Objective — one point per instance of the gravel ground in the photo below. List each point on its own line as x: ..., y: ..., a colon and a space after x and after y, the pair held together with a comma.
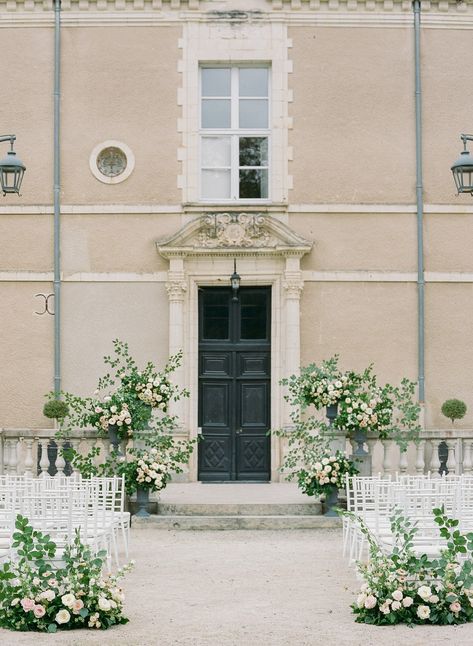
x: 258, y: 588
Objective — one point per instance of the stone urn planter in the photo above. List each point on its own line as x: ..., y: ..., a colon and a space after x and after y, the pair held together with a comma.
x: 331, y: 502
x: 114, y: 438
x: 142, y: 500
x: 331, y: 413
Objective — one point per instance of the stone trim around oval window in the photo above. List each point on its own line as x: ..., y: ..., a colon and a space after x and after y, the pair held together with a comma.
x: 119, y: 155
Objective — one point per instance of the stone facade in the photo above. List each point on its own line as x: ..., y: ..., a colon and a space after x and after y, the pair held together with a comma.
x: 336, y: 239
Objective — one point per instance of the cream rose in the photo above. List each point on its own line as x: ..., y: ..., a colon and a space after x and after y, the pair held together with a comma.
x: 423, y: 612
x: 397, y: 595
x: 370, y: 602
x: 62, y: 617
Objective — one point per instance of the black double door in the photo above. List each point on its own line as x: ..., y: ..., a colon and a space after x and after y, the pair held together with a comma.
x: 234, y: 383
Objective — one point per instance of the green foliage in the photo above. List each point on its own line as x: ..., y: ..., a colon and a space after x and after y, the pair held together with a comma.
x: 55, y: 409
x: 454, y: 409
x: 126, y: 397
x: 403, y: 587
x: 389, y: 411
x: 151, y: 468
x: 35, y: 595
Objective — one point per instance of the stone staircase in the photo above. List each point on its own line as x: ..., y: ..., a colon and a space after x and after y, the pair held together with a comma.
x: 198, y: 506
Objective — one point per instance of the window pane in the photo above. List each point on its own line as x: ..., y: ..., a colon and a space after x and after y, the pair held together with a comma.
x: 216, y: 151
x: 216, y: 82
x: 253, y: 81
x: 253, y: 113
x: 253, y: 315
x: 215, y: 315
x: 215, y: 113
x: 253, y: 151
x: 253, y: 183
x: 216, y: 184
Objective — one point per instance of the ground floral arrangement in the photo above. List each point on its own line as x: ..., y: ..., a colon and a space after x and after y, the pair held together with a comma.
x: 37, y: 596
x: 404, y: 588
x: 328, y: 472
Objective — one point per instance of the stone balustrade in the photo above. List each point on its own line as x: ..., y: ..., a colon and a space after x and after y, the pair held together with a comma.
x: 33, y: 452
x: 438, y: 451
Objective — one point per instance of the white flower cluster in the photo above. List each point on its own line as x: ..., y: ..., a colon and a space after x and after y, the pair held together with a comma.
x: 115, y: 417
x: 322, y: 391
x: 360, y: 413
x: 155, y: 392
x: 329, y: 471
x: 152, y: 469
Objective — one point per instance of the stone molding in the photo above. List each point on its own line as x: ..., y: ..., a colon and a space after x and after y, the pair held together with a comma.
x: 237, y: 234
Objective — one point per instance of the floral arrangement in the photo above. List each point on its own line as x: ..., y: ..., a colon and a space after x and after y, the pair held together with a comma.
x: 127, y: 398
x: 389, y: 411
x: 400, y: 587
x: 149, y: 468
x: 36, y: 595
x: 328, y: 472
x: 323, y: 385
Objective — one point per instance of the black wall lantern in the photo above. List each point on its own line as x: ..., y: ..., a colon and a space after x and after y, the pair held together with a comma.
x: 235, y: 281
x: 462, y: 169
x: 12, y: 169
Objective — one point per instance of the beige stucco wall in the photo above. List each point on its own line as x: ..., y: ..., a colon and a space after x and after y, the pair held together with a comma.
x: 26, y: 350
x: 115, y: 243
x: 118, y: 84
x: 449, y: 349
x: 362, y: 322
x: 447, y: 108
x: 26, y: 242
x: 353, y: 111
x: 350, y: 242
x: 96, y: 313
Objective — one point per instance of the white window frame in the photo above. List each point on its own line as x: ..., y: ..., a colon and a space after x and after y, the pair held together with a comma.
x: 235, y: 133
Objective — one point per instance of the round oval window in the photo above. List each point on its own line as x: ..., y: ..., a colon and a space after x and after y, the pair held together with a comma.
x: 111, y: 161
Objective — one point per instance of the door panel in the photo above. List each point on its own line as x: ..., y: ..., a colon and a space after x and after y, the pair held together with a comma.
x: 234, y: 384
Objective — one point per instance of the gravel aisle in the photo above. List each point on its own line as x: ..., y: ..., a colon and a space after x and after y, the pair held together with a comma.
x: 258, y: 588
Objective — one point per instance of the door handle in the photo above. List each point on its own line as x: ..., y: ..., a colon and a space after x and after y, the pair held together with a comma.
x: 238, y: 431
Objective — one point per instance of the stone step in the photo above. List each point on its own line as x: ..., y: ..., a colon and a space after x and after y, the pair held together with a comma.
x: 239, y: 509
x: 157, y: 521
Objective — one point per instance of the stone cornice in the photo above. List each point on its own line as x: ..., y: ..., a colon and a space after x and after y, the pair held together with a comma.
x: 436, y: 13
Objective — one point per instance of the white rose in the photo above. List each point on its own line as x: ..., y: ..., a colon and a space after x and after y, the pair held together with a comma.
x: 424, y: 592
x: 370, y: 602
x: 113, y: 409
x: 407, y: 602
x: 396, y: 605
x: 325, y: 461
x: 397, y: 595
x: 423, y: 612
x: 68, y: 600
x: 348, y: 400
x: 385, y: 608
x: 433, y: 599
x: 104, y: 604
x: 318, y: 466
x: 62, y: 617
x: 49, y: 595
x: 327, y: 468
x: 360, y: 601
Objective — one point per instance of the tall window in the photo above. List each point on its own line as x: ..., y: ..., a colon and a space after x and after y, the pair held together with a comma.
x: 234, y: 133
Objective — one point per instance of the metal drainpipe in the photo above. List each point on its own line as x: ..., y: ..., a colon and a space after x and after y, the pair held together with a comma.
x: 420, y: 206
x: 57, y: 196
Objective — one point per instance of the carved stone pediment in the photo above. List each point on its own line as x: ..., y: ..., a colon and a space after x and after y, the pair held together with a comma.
x: 230, y: 233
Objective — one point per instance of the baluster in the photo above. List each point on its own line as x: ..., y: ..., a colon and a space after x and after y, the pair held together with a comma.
x: 403, y: 464
x: 451, y: 461
x: 387, y: 467
x: 467, y: 463
x: 2, y: 454
x: 28, y: 443
x: 435, y: 460
x: 13, y: 461
x: 420, y: 457
x: 371, y: 442
x: 44, y: 460
x: 75, y: 443
x: 6, y: 456
x: 60, y: 462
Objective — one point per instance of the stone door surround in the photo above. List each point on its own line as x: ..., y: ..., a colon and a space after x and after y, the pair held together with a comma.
x: 201, y: 253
